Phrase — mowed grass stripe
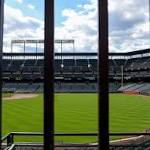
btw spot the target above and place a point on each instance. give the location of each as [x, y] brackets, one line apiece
[23, 115]
[77, 113]
[129, 113]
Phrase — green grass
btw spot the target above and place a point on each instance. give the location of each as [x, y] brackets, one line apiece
[4, 95]
[76, 113]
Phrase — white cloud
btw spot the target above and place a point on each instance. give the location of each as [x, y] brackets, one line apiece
[30, 6]
[128, 26]
[81, 26]
[19, 1]
[19, 26]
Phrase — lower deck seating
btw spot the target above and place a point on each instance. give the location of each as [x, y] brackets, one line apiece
[59, 87]
[141, 88]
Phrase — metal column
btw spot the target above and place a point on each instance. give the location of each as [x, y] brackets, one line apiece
[1, 52]
[24, 48]
[103, 75]
[49, 76]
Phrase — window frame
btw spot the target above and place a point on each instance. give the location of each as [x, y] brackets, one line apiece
[103, 107]
[1, 51]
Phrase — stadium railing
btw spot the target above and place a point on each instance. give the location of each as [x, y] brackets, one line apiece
[143, 142]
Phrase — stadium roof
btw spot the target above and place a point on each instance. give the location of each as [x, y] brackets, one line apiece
[139, 52]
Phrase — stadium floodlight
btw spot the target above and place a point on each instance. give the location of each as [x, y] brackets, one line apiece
[62, 65]
[39, 41]
[89, 65]
[64, 41]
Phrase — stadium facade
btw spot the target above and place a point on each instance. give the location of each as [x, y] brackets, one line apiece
[76, 72]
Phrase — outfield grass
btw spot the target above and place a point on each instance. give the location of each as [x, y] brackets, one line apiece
[77, 113]
[4, 95]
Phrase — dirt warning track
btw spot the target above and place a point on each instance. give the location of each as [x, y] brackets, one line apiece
[21, 96]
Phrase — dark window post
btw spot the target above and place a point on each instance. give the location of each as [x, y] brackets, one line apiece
[49, 76]
[103, 75]
[1, 51]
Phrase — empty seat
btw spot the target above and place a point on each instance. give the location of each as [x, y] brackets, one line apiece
[30, 62]
[82, 62]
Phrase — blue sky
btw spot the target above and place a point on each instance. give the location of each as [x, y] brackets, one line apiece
[38, 12]
[60, 5]
[77, 19]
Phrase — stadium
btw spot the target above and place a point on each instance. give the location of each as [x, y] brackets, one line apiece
[76, 78]
[82, 93]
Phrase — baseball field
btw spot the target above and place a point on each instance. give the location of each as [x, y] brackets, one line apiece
[75, 113]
